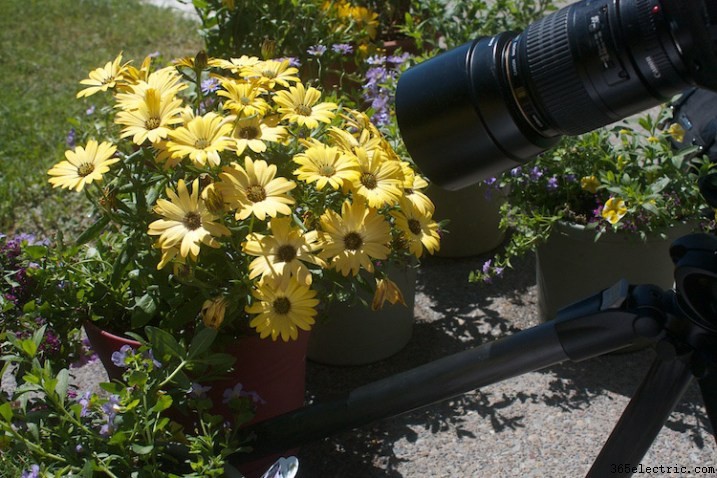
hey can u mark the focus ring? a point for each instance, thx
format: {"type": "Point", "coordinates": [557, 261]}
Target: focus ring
{"type": "Point", "coordinates": [558, 90]}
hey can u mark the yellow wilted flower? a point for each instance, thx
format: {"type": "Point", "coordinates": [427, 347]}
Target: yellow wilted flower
{"type": "Point", "coordinates": [677, 132]}
{"type": "Point", "coordinates": [386, 290]}
{"type": "Point", "coordinates": [213, 311]}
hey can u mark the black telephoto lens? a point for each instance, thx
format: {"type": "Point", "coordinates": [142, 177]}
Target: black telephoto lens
{"type": "Point", "coordinates": [494, 103]}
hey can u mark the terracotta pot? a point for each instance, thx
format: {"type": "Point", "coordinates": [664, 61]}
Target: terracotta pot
{"type": "Point", "coordinates": [571, 265]}
{"type": "Point", "coordinates": [276, 371]}
{"type": "Point", "coordinates": [355, 335]}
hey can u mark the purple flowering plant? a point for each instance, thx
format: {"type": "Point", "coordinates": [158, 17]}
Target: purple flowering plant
{"type": "Point", "coordinates": [155, 422]}
{"type": "Point", "coordinates": [623, 178]}
{"type": "Point", "coordinates": [27, 288]}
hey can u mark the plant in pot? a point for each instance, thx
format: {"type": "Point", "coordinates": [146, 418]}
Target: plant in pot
{"type": "Point", "coordinates": [602, 206]}
{"type": "Point", "coordinates": [435, 26]}
{"type": "Point", "coordinates": [52, 425]}
{"type": "Point", "coordinates": [231, 196]}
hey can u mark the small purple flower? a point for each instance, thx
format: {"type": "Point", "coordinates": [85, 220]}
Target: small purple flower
{"type": "Point", "coordinates": [552, 183]}
{"type": "Point", "coordinates": [486, 266]}
{"type": "Point", "coordinates": [79, 448]}
{"type": "Point", "coordinates": [119, 358]}
{"type": "Point", "coordinates": [316, 50]}
{"type": "Point", "coordinates": [198, 390]}
{"type": "Point", "coordinates": [536, 173]}
{"type": "Point", "coordinates": [398, 59]}
{"type": "Point", "coordinates": [238, 392]}
{"type": "Point", "coordinates": [110, 409]}
{"type": "Point", "coordinates": [515, 172]}
{"type": "Point", "coordinates": [293, 61]}
{"type": "Point", "coordinates": [154, 54]}
{"type": "Point", "coordinates": [376, 60]}
{"type": "Point", "coordinates": [155, 362]}
{"type": "Point", "coordinates": [71, 138]}
{"type": "Point", "coordinates": [210, 85]}
{"type": "Point", "coordinates": [342, 48]}
{"type": "Point", "coordinates": [84, 401]}
{"type": "Point", "coordinates": [33, 472]}
{"type": "Point", "coordinates": [90, 111]}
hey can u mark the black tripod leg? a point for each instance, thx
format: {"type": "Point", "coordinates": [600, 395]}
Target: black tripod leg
{"type": "Point", "coordinates": [643, 419]}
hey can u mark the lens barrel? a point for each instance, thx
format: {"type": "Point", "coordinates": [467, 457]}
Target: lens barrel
{"type": "Point", "coordinates": [493, 103]}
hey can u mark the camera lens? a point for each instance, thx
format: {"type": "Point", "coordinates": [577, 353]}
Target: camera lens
{"type": "Point", "coordinates": [494, 103]}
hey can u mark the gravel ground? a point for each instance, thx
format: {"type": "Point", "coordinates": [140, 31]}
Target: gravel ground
{"type": "Point", "coordinates": [547, 423]}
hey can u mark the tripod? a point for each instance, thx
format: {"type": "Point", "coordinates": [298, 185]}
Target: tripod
{"type": "Point", "coordinates": [681, 325]}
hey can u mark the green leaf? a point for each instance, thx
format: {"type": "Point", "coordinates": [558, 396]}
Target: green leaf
{"type": "Point", "coordinates": [659, 185]}
{"type": "Point", "coordinates": [121, 263]}
{"type": "Point", "coordinates": [201, 342]}
{"type": "Point", "coordinates": [29, 347]}
{"type": "Point", "coordinates": [6, 412]}
{"type": "Point", "coordinates": [35, 252]}
{"type": "Point", "coordinates": [163, 403]}
{"type": "Point", "coordinates": [63, 381]}
{"type": "Point", "coordinates": [93, 231]}
{"type": "Point", "coordinates": [142, 449]}
{"type": "Point", "coordinates": [163, 344]}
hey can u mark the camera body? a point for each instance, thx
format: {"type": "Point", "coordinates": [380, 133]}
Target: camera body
{"type": "Point", "coordinates": [496, 102]}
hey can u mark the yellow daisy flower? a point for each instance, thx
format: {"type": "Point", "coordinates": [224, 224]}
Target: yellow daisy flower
{"type": "Point", "coordinates": [282, 311]}
{"type": "Point", "coordinates": [300, 105]}
{"type": "Point", "coordinates": [253, 133]}
{"type": "Point", "coordinates": [102, 79]}
{"type": "Point", "coordinates": [379, 180]}
{"type": "Point", "coordinates": [152, 120]}
{"type": "Point", "coordinates": [243, 98]}
{"type": "Point", "coordinates": [202, 139]}
{"type": "Point", "coordinates": [351, 240]}
{"type": "Point", "coordinates": [83, 165]}
{"type": "Point", "coordinates": [186, 221]}
{"type": "Point", "coordinates": [326, 165]}
{"type": "Point", "coordinates": [269, 73]}
{"type": "Point", "coordinates": [254, 189]}
{"type": "Point", "coordinates": [240, 65]}
{"type": "Point", "coordinates": [419, 229]}
{"type": "Point", "coordinates": [165, 82]}
{"type": "Point", "coordinates": [283, 253]}
{"type": "Point", "coordinates": [614, 210]}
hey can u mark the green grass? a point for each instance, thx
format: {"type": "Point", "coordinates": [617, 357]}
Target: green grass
{"type": "Point", "coordinates": [46, 48]}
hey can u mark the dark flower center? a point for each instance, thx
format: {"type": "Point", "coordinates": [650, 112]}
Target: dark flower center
{"type": "Point", "coordinates": [249, 132]}
{"type": "Point", "coordinates": [327, 170]}
{"type": "Point", "coordinates": [255, 193]}
{"type": "Point", "coordinates": [201, 143]}
{"type": "Point", "coordinates": [192, 220]}
{"type": "Point", "coordinates": [152, 123]}
{"type": "Point", "coordinates": [85, 169]}
{"type": "Point", "coordinates": [281, 305]}
{"type": "Point", "coordinates": [303, 110]}
{"type": "Point", "coordinates": [353, 241]}
{"type": "Point", "coordinates": [369, 180]}
{"type": "Point", "coordinates": [286, 253]}
{"type": "Point", "coordinates": [414, 225]}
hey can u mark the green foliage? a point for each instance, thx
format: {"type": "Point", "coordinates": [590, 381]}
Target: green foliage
{"type": "Point", "coordinates": [439, 24]}
{"type": "Point", "coordinates": [44, 44]}
{"type": "Point", "coordinates": [128, 429]}
{"type": "Point", "coordinates": [623, 178]}
{"type": "Point", "coordinates": [292, 28]}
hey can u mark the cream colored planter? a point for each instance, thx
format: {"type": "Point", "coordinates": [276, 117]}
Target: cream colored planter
{"type": "Point", "coordinates": [474, 219]}
{"type": "Point", "coordinates": [571, 265]}
{"type": "Point", "coordinates": [354, 335]}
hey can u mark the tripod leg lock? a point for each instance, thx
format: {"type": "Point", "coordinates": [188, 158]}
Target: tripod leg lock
{"type": "Point", "coordinates": [611, 320]}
